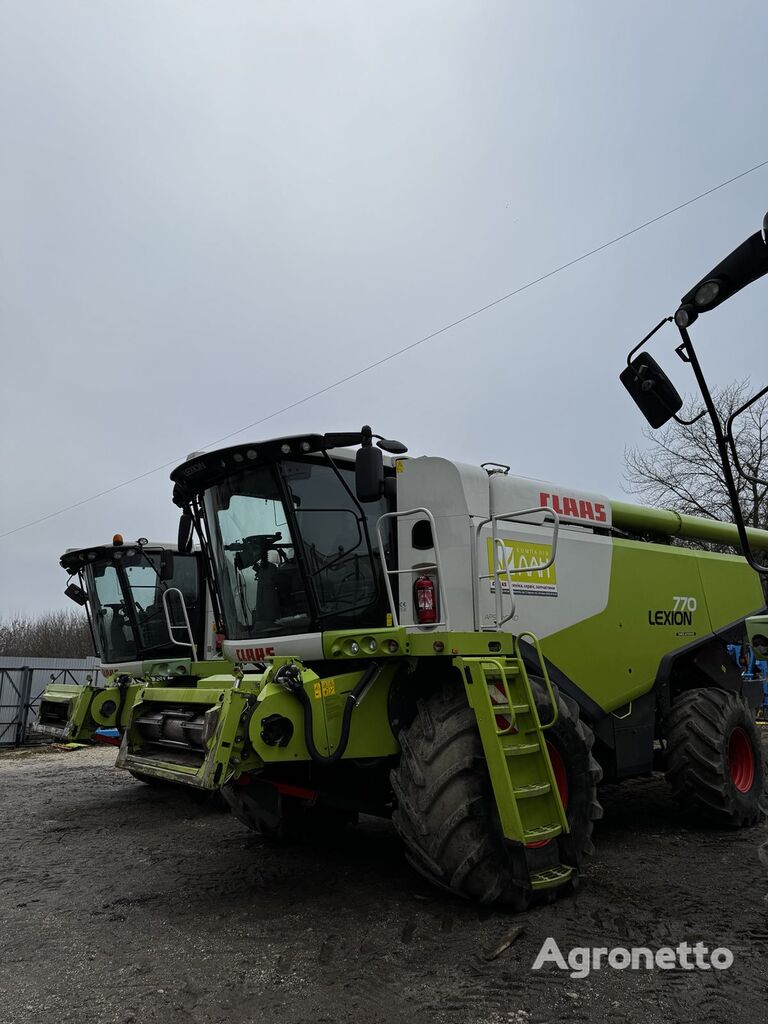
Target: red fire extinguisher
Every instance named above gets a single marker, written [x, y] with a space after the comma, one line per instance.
[425, 600]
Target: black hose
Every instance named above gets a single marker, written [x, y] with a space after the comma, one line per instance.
[293, 683]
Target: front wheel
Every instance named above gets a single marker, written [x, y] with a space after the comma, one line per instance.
[714, 757]
[446, 811]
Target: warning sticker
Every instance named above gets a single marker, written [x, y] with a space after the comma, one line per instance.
[525, 557]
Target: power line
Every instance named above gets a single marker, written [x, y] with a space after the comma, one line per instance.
[398, 352]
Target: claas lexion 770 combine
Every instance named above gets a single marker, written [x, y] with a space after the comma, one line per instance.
[464, 650]
[149, 611]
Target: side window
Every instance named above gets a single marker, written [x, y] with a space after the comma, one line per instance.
[143, 581]
[263, 588]
[341, 569]
[116, 639]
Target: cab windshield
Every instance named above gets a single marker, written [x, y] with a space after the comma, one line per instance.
[126, 596]
[290, 550]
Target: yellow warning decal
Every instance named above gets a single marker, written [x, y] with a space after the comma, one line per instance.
[324, 688]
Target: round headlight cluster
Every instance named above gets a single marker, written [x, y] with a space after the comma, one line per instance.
[707, 293]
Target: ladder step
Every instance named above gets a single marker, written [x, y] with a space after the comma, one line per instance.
[552, 877]
[534, 789]
[536, 835]
[512, 750]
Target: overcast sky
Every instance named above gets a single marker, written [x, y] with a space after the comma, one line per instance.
[209, 210]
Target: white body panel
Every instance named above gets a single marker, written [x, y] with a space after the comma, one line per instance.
[462, 497]
[305, 646]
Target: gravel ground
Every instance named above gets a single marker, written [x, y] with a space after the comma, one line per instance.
[120, 902]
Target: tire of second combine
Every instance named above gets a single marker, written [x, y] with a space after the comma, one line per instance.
[446, 813]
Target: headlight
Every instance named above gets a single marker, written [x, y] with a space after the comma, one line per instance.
[685, 316]
[707, 293]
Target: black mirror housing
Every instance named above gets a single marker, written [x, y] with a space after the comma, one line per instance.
[369, 473]
[76, 594]
[651, 389]
[186, 525]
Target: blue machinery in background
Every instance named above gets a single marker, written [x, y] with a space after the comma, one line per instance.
[752, 668]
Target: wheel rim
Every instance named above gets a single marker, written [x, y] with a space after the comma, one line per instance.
[561, 778]
[561, 775]
[741, 760]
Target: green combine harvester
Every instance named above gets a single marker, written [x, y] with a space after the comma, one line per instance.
[148, 609]
[461, 649]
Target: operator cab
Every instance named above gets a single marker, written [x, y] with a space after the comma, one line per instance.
[292, 543]
[136, 596]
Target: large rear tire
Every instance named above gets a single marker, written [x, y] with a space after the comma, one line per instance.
[714, 759]
[446, 812]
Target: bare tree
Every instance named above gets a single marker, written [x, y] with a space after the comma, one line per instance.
[62, 634]
[680, 469]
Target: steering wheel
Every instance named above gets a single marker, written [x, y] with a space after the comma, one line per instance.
[118, 610]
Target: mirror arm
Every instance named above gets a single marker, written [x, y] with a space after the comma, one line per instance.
[687, 423]
[723, 450]
[640, 344]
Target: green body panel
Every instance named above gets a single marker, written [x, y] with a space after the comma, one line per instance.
[614, 656]
[371, 735]
[341, 643]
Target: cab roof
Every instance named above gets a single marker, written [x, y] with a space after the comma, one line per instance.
[75, 558]
[203, 469]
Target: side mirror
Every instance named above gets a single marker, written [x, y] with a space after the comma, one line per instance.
[651, 389]
[369, 473]
[393, 447]
[186, 524]
[76, 594]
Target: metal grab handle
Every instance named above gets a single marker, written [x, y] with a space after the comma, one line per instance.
[443, 621]
[501, 554]
[171, 627]
[545, 676]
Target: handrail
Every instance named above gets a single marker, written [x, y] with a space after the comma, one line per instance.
[503, 568]
[443, 621]
[166, 610]
[534, 640]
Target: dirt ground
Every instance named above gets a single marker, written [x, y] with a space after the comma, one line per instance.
[124, 903]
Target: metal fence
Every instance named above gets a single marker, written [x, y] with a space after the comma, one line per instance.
[22, 681]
